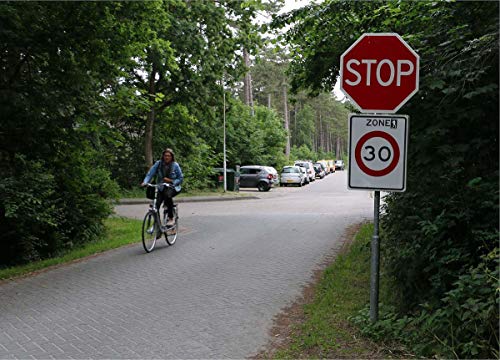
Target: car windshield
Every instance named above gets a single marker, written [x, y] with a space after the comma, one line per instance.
[290, 170]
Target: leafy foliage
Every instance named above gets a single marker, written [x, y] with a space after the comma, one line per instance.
[463, 327]
[54, 187]
[315, 121]
[438, 234]
[254, 140]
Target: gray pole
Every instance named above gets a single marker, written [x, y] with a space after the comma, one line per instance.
[375, 261]
[224, 150]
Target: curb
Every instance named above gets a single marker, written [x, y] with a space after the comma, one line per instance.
[188, 199]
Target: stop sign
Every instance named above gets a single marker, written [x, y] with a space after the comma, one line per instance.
[379, 72]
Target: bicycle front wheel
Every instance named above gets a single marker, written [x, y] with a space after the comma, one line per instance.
[150, 229]
[172, 232]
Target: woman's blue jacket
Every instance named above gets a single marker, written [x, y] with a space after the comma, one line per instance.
[175, 175]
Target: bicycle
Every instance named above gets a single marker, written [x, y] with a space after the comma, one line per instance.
[153, 227]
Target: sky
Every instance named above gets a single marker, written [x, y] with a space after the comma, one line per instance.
[296, 4]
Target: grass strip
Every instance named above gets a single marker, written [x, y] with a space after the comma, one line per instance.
[119, 232]
[325, 331]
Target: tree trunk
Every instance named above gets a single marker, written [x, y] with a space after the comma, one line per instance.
[327, 138]
[287, 125]
[321, 145]
[295, 125]
[337, 154]
[247, 81]
[148, 137]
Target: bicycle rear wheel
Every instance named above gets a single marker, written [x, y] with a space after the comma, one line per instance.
[172, 232]
[150, 229]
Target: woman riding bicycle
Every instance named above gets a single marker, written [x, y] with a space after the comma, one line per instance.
[167, 171]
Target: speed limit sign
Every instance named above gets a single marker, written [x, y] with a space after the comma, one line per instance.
[377, 152]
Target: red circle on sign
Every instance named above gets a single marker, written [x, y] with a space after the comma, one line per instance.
[359, 160]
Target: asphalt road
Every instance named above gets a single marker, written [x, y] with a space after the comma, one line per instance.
[213, 294]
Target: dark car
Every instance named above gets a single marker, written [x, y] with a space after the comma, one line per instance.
[261, 177]
[319, 170]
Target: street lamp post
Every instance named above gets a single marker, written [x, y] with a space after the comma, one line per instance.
[224, 147]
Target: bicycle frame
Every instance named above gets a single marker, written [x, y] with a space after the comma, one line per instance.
[159, 224]
[153, 205]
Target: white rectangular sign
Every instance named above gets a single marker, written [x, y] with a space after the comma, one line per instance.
[377, 152]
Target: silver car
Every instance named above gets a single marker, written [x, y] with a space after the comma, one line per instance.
[261, 177]
[292, 175]
[309, 168]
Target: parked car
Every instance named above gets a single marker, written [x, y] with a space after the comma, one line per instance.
[319, 170]
[292, 175]
[276, 179]
[339, 164]
[304, 174]
[261, 177]
[331, 166]
[326, 167]
[309, 168]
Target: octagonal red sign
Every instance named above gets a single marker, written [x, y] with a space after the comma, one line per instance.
[379, 73]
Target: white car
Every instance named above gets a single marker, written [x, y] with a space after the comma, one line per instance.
[292, 175]
[309, 169]
[339, 165]
[304, 174]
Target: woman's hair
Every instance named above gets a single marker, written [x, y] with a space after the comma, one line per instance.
[169, 151]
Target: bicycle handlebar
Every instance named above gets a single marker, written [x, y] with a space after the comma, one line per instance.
[157, 185]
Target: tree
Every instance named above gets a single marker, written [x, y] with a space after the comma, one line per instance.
[57, 61]
[189, 48]
[258, 139]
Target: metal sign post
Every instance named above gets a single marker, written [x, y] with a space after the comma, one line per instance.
[375, 260]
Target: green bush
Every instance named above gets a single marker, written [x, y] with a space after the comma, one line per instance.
[197, 168]
[45, 211]
[29, 213]
[466, 323]
[301, 153]
[463, 325]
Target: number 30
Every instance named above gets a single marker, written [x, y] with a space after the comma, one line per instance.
[371, 152]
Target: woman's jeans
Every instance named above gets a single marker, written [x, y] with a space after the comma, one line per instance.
[167, 195]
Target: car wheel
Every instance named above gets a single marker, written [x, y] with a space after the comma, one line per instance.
[262, 186]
